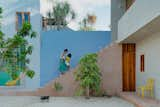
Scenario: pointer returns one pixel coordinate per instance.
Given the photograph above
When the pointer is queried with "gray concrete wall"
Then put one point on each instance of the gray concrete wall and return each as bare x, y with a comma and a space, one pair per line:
141, 13
117, 11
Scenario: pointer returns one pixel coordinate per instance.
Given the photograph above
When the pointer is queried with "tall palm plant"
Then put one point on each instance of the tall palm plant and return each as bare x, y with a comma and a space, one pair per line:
62, 14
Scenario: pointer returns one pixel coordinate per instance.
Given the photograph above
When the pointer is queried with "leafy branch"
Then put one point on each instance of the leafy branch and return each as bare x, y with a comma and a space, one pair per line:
88, 74
15, 52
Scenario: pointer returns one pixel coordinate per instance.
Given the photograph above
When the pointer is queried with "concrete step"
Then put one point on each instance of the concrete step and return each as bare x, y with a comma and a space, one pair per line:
138, 101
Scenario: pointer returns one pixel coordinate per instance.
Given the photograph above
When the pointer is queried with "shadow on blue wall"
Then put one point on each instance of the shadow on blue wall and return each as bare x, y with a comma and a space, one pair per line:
79, 43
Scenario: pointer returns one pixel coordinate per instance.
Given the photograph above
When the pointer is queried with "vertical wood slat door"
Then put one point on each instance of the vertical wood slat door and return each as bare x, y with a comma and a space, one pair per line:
128, 69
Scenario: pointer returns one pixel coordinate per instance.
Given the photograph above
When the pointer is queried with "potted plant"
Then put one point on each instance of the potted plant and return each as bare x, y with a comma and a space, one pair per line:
87, 24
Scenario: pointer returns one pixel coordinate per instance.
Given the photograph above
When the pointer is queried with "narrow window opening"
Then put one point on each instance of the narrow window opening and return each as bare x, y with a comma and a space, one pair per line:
142, 66
22, 17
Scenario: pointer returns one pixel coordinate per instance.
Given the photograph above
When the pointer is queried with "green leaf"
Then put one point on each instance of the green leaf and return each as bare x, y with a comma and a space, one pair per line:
14, 75
33, 35
29, 49
30, 73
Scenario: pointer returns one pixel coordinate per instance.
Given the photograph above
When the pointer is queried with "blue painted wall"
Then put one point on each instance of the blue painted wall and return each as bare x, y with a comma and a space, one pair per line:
79, 43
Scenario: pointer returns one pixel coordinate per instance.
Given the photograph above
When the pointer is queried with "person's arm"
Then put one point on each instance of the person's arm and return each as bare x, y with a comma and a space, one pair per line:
62, 56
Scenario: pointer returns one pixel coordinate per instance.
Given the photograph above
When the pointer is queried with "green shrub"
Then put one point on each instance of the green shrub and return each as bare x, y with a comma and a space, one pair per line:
88, 75
58, 87
30, 73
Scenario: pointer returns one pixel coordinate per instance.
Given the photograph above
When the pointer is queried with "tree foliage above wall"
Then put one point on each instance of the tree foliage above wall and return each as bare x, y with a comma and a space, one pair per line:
61, 14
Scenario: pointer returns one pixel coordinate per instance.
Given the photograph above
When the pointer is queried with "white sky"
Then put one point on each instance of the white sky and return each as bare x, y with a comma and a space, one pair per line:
101, 8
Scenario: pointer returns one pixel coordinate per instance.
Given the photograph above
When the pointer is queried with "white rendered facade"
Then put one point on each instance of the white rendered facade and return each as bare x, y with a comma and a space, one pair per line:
140, 25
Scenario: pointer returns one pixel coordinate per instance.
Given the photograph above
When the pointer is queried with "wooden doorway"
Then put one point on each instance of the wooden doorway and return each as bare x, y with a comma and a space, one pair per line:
128, 68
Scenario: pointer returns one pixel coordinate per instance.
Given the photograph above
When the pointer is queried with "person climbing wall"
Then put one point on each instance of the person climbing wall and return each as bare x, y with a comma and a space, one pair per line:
62, 65
67, 60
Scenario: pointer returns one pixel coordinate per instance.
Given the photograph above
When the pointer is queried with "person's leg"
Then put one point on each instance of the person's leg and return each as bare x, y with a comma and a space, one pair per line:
61, 66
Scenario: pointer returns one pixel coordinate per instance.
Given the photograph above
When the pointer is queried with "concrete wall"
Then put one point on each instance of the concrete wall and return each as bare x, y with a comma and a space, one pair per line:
138, 15
68, 83
110, 63
79, 43
117, 10
151, 49
10, 7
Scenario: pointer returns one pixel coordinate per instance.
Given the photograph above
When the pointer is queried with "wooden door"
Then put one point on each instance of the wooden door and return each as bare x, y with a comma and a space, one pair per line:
128, 69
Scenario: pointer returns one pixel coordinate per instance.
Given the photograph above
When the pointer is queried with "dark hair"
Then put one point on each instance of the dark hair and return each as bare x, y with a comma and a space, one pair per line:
65, 50
69, 55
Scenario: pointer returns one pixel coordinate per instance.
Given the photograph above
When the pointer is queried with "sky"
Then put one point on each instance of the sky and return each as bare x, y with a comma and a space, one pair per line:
101, 8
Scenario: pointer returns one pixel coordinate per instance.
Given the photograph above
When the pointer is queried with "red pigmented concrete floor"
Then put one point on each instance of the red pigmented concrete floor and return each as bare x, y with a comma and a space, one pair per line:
138, 101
